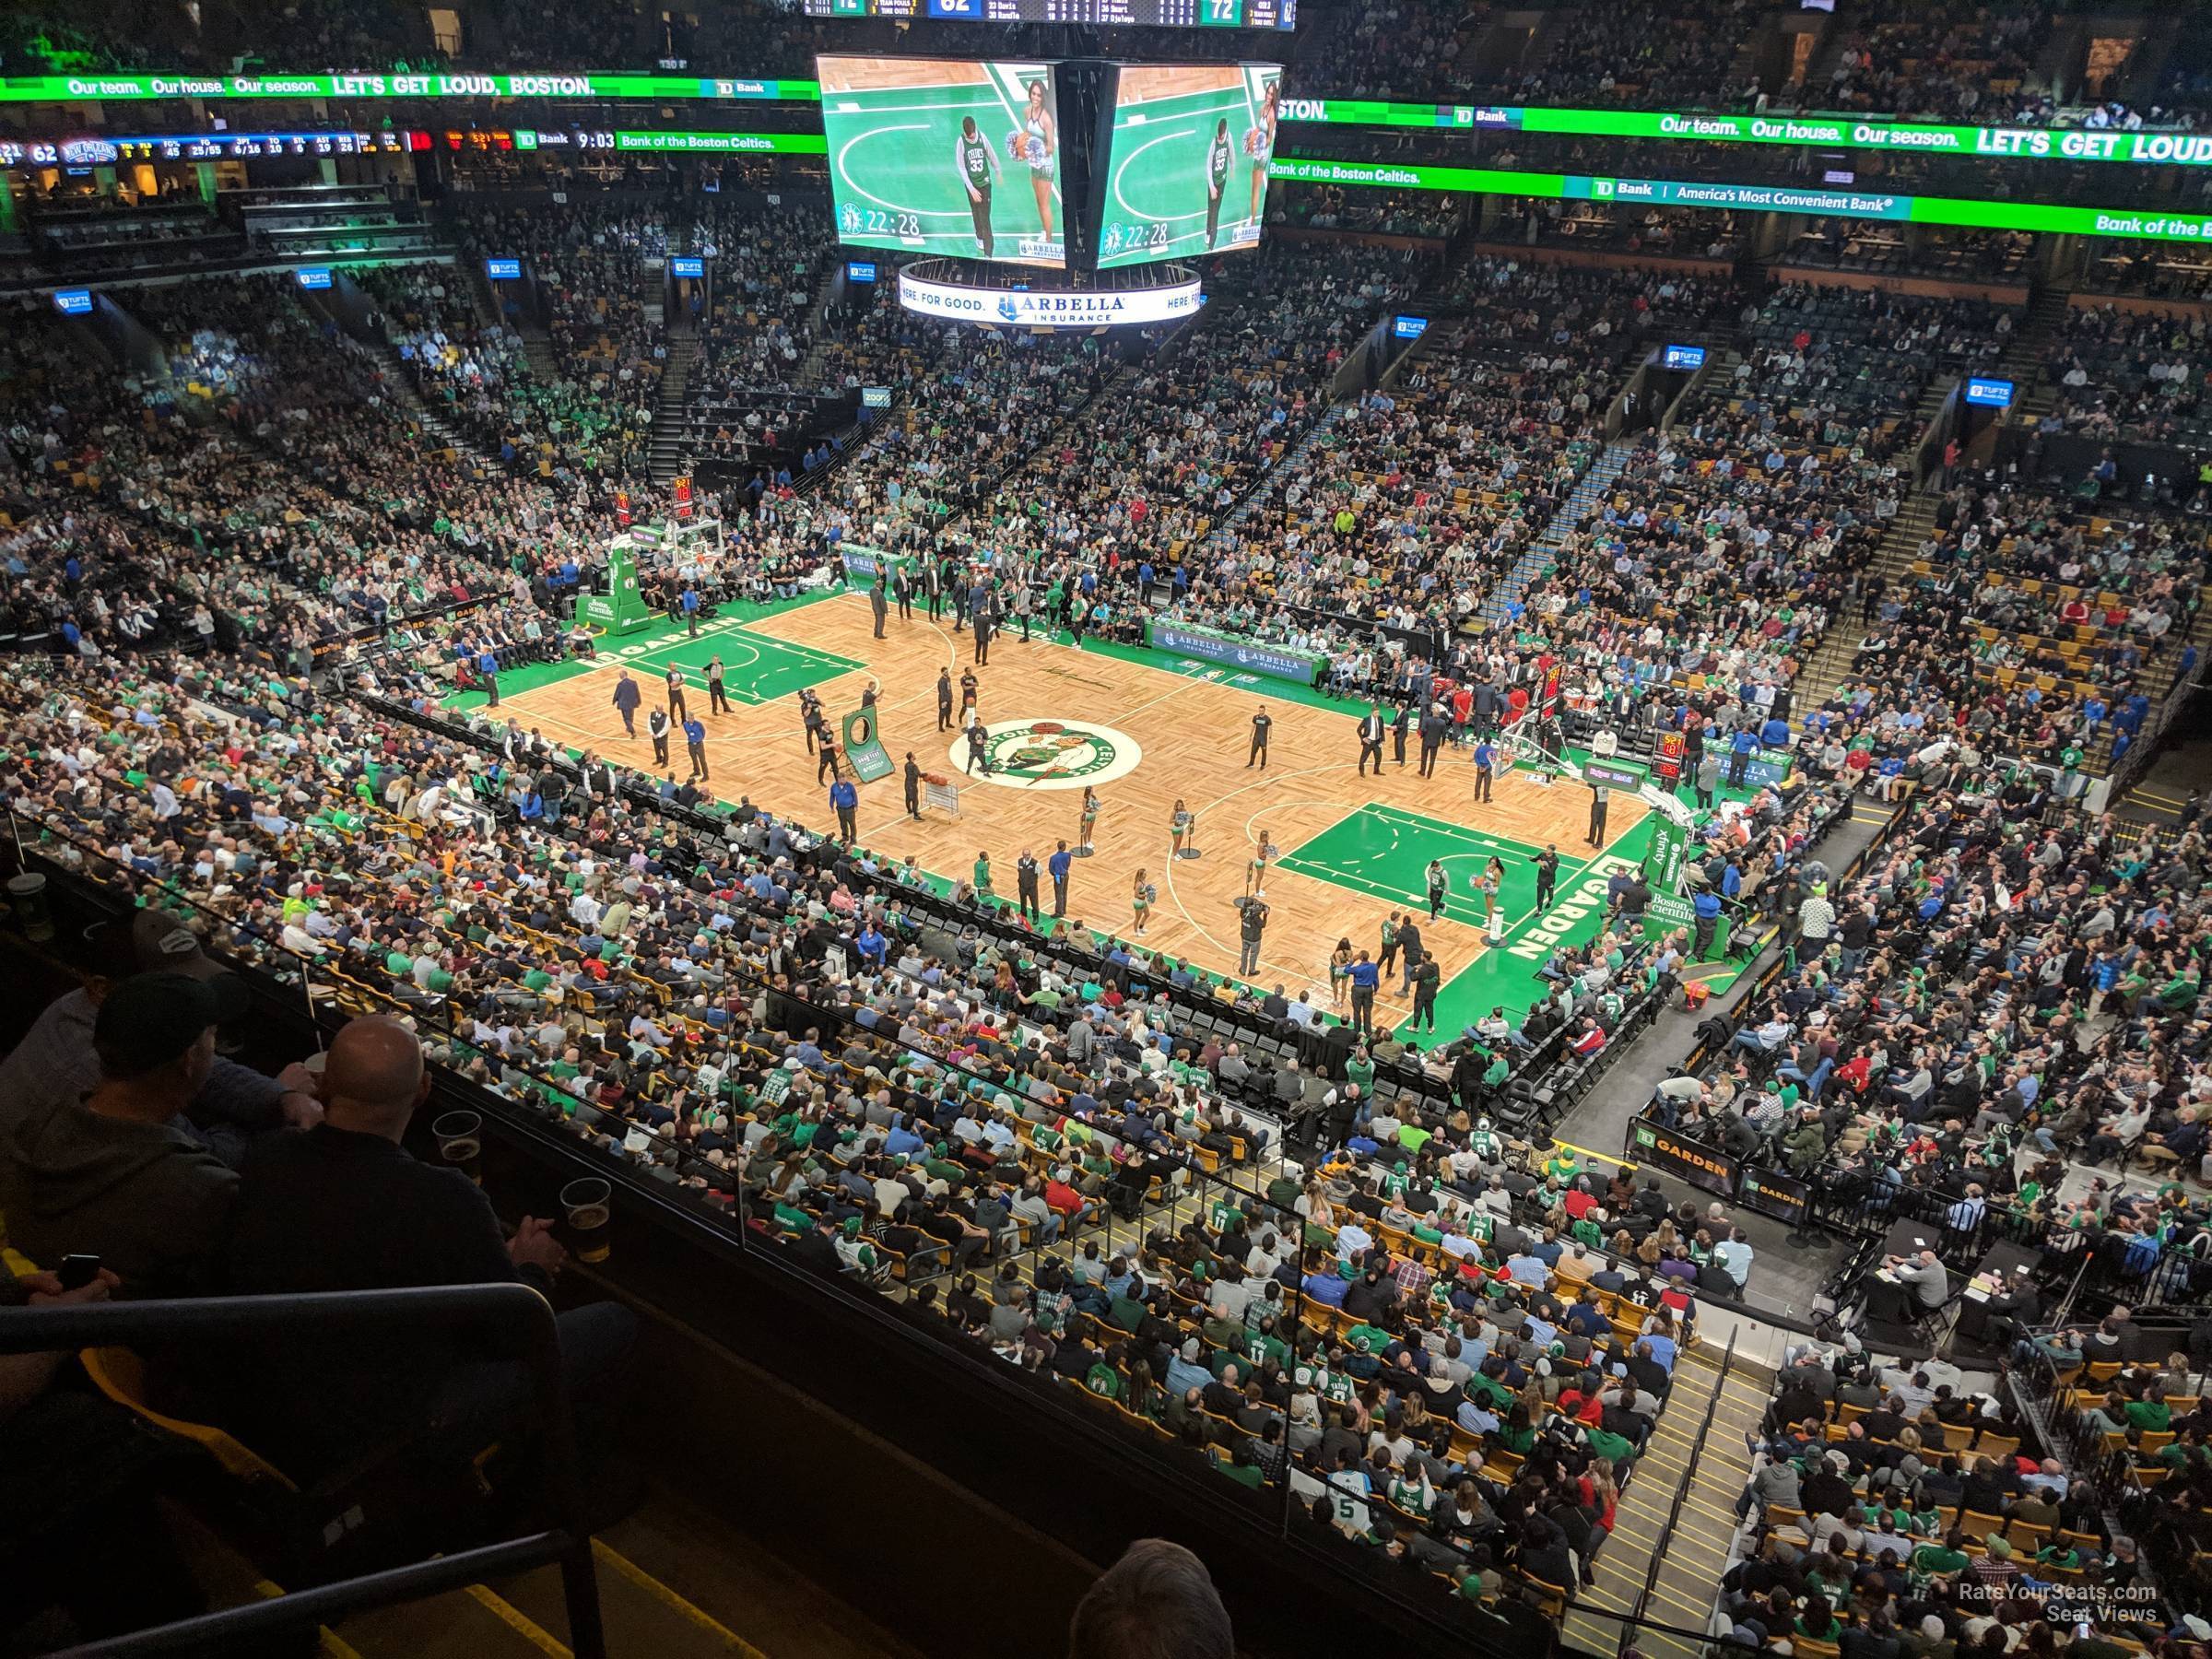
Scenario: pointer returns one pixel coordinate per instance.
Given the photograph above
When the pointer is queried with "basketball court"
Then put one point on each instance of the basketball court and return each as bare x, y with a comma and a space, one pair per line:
893, 125
1147, 731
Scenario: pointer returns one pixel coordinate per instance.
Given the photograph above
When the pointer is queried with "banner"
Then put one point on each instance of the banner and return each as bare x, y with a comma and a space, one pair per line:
1671, 913
777, 144
1971, 212
1282, 662
72, 89
1669, 856
867, 563
1920, 138
1767, 766
1699, 1165
1772, 1193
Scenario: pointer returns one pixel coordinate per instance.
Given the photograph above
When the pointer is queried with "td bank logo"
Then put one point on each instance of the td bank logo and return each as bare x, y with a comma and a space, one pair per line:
1048, 754
1601, 189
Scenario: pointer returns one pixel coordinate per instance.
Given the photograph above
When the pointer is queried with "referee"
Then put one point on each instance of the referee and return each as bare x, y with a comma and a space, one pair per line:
977, 167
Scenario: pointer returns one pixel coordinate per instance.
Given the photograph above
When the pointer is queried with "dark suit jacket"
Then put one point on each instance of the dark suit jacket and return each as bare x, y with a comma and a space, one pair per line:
334, 1210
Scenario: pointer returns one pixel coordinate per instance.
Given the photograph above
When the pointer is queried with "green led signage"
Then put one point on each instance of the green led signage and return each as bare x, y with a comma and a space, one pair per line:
1922, 139
69, 89
1846, 204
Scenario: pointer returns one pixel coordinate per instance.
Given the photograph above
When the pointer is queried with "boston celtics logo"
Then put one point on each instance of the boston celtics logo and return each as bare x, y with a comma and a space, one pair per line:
1048, 754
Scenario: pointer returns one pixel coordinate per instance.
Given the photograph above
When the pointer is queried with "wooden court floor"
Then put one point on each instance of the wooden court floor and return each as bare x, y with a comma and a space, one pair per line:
1192, 736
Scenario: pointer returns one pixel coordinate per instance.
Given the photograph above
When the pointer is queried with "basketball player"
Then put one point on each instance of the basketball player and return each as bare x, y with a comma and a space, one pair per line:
1217, 158
978, 169
945, 700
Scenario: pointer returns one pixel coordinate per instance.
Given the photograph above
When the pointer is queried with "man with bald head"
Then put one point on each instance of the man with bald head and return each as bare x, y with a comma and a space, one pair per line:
344, 1207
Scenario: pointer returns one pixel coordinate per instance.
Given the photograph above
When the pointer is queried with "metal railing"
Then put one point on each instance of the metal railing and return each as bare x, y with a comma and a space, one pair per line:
514, 1315
1674, 1514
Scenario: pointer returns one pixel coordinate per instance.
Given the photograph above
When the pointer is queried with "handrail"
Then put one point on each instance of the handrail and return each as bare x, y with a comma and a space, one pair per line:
1689, 1476
510, 1310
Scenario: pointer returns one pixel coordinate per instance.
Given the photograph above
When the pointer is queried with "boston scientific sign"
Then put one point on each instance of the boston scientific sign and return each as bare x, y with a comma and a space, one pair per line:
941, 295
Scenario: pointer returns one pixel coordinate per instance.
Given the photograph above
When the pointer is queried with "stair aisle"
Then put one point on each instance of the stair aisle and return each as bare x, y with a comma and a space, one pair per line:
1284, 467
675, 1582
2022, 363
1690, 1575
671, 429
1830, 665
1538, 555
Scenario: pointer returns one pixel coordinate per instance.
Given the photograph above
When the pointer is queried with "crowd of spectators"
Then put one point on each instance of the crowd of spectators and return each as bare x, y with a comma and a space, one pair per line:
1941, 63
780, 1027
1657, 54
1891, 1508
2138, 376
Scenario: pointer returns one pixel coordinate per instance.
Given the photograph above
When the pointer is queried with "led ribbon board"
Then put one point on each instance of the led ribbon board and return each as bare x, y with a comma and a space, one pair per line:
1965, 211
1921, 138
77, 89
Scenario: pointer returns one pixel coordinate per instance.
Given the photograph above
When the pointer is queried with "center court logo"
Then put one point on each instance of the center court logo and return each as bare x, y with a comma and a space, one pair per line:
1050, 754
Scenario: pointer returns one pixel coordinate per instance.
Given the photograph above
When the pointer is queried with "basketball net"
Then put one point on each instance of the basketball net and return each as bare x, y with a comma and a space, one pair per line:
1517, 748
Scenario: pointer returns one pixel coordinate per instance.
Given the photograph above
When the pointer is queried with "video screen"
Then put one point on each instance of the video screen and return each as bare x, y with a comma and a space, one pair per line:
948, 156
1186, 166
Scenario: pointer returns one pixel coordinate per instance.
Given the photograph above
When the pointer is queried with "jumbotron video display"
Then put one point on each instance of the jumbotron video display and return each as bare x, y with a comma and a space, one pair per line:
948, 156
1186, 165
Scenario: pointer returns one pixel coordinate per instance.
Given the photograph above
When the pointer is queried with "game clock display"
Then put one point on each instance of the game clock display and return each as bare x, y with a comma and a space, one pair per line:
945, 156
1187, 160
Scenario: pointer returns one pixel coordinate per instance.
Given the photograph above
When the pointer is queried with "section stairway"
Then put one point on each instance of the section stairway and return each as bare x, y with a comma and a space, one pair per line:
1540, 554
1689, 1576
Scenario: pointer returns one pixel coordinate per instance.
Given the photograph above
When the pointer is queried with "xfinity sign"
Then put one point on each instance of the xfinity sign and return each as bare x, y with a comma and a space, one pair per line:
1025, 308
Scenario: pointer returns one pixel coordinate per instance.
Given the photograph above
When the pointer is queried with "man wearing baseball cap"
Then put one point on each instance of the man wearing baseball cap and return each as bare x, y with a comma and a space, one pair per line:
108, 1173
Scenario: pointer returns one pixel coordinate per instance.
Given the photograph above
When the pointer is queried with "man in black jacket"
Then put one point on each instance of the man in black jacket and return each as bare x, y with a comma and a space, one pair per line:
344, 1207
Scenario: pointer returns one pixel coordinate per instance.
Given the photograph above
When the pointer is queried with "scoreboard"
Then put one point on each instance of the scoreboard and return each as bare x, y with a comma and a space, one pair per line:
1155, 14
